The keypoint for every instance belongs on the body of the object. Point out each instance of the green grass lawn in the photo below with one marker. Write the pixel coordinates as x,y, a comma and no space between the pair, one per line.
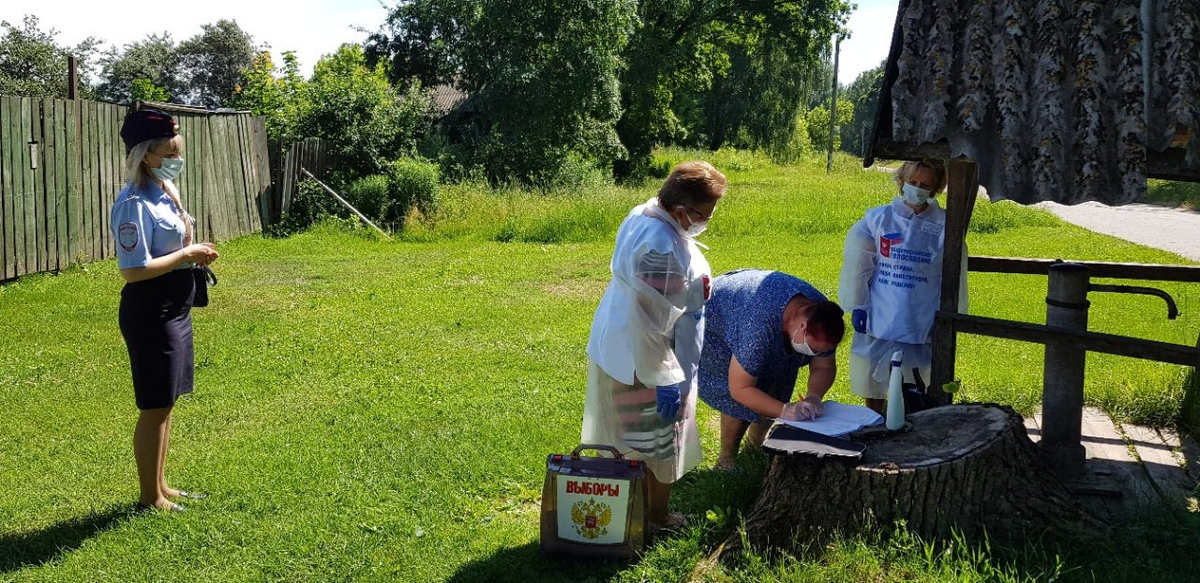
372,410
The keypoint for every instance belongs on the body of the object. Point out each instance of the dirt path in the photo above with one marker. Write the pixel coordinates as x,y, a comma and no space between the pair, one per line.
1174,230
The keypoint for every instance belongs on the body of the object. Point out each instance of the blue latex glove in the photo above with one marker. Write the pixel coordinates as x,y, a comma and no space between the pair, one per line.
858,319
668,401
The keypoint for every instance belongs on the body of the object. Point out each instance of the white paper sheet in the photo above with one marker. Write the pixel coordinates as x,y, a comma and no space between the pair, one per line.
839,419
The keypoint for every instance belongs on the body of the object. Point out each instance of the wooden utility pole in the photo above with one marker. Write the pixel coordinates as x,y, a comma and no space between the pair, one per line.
837,50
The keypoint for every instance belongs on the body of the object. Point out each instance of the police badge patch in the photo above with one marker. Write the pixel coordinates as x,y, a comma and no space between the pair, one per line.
127,235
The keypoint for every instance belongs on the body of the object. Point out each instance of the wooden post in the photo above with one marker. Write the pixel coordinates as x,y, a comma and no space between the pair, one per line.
837,51
962,186
72,78
1062,386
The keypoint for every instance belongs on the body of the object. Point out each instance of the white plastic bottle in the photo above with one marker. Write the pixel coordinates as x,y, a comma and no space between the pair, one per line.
895,398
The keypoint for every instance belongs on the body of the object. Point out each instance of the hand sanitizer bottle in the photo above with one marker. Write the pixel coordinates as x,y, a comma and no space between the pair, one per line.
895,398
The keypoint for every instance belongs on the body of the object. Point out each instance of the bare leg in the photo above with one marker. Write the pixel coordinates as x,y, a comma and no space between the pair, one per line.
162,463
732,431
660,494
756,435
149,437
876,405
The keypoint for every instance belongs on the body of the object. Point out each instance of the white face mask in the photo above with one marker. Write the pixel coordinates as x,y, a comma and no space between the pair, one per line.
803,347
915,195
694,229
169,169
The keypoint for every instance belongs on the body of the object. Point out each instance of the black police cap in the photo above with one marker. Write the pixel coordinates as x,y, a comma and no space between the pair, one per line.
147,124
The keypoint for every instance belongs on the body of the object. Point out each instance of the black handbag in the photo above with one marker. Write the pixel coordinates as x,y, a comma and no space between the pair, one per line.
204,277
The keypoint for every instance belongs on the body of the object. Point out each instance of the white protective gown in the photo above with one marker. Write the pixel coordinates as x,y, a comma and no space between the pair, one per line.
892,268
647,332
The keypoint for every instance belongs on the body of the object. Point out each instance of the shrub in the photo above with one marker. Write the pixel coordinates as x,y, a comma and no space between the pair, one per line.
369,195
309,204
412,182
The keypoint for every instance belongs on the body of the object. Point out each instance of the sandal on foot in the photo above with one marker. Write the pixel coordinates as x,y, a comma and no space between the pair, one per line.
675,521
192,495
170,507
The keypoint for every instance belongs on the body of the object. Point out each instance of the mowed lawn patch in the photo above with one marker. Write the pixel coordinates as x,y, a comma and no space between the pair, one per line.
372,410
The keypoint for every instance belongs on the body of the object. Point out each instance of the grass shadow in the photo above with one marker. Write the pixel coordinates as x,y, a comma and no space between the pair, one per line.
526,563
38,547
1189,411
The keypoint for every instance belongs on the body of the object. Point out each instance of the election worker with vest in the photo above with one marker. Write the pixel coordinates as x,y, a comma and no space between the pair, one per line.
891,282
156,253
647,333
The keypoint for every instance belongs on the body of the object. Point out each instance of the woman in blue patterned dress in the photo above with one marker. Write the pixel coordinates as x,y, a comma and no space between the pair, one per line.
762,328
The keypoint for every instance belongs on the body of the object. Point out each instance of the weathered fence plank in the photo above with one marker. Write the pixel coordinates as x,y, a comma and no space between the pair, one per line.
7,251
50,167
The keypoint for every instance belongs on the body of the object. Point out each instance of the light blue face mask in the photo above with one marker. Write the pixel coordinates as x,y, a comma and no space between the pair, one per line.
915,195
170,169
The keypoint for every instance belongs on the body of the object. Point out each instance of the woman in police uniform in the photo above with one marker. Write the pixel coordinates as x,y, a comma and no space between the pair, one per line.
155,254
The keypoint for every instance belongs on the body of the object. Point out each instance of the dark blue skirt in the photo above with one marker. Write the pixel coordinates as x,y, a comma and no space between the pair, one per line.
156,321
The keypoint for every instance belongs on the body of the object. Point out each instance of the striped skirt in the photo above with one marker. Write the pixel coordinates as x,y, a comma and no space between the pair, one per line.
624,416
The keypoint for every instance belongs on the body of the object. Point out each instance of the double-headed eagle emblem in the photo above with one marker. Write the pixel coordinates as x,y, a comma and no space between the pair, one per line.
591,518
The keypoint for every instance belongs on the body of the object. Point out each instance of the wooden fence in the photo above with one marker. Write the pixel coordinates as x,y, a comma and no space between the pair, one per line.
310,154
61,167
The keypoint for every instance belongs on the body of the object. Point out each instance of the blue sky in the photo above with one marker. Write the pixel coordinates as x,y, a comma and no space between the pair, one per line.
316,27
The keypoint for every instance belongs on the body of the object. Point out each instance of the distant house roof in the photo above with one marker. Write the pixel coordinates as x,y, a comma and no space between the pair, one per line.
1063,101
446,98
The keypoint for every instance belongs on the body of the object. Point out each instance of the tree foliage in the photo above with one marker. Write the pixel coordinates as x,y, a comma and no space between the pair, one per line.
544,74
354,107
420,40
863,93
34,64
272,93
146,90
129,72
716,71
818,124
213,61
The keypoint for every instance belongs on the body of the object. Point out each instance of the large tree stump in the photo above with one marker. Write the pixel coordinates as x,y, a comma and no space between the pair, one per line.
968,467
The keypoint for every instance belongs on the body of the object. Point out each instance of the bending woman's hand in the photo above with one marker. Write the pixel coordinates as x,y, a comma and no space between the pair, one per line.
803,410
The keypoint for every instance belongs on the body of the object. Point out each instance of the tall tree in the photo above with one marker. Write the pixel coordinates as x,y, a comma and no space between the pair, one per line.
746,56
153,61
33,63
420,40
213,62
544,73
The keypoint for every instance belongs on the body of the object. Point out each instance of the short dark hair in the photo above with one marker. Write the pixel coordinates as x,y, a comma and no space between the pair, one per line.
692,183
825,321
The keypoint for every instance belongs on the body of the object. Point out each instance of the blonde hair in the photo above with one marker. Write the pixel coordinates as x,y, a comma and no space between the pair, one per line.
906,170
134,170
692,183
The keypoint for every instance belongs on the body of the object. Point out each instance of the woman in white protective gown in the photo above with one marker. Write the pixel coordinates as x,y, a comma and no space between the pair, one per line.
646,336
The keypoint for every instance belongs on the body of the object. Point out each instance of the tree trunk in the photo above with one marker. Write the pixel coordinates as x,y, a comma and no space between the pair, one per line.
968,467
